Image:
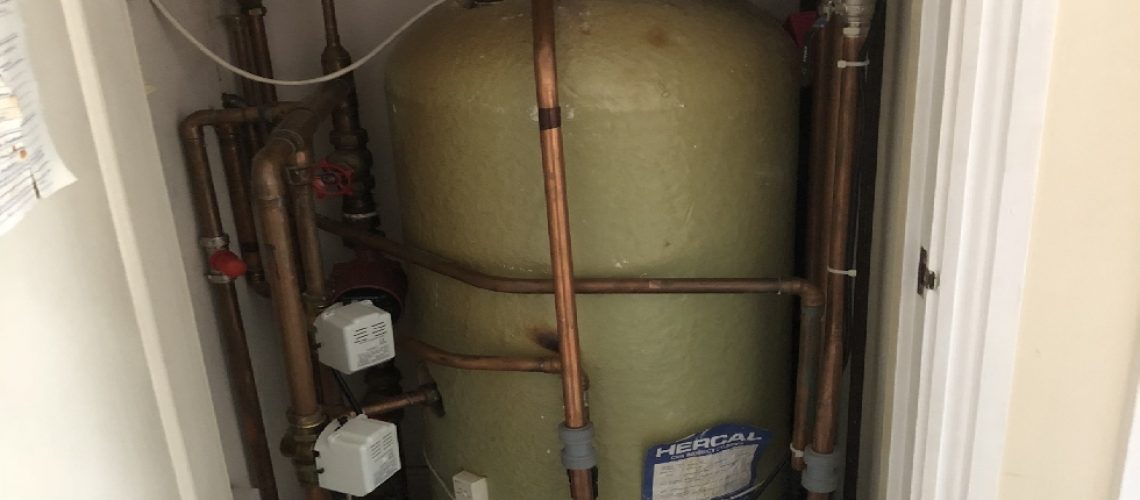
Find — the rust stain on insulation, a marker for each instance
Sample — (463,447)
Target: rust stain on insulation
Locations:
(546,337)
(657,37)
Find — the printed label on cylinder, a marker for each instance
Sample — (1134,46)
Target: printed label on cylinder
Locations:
(716,464)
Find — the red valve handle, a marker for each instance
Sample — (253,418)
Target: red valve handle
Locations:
(227,263)
(332,179)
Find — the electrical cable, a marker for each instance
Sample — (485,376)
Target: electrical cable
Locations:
(438,478)
(344,388)
(161,8)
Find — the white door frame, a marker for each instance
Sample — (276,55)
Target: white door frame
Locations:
(983,73)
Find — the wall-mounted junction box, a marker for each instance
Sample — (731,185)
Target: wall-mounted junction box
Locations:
(354,336)
(469,486)
(356,456)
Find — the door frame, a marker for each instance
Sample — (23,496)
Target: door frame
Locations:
(982,82)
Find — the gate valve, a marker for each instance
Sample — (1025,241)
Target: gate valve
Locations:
(332,179)
(227,263)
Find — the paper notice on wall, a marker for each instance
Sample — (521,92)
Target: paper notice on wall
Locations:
(30,169)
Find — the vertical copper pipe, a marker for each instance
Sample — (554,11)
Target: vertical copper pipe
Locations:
(290,137)
(558,221)
(281,269)
(348,137)
(831,374)
(823,63)
(300,172)
(233,163)
(817,214)
(231,329)
(243,53)
(259,45)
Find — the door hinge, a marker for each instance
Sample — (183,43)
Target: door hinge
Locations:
(927,279)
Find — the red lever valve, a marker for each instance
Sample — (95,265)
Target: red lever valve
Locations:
(227,263)
(332,179)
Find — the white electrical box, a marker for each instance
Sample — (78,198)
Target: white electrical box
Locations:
(357,456)
(469,486)
(354,336)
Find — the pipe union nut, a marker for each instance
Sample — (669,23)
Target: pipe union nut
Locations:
(578,451)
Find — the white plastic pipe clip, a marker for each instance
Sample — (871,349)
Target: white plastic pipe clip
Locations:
(851,273)
(796,452)
(841,64)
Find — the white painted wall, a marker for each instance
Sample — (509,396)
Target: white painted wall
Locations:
(180,81)
(94,300)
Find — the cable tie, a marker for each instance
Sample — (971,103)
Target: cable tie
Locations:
(841,64)
(796,452)
(849,273)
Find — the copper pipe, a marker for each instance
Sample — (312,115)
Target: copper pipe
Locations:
(822,60)
(809,294)
(191,131)
(348,137)
(288,138)
(304,209)
(259,46)
(817,220)
(243,54)
(230,327)
(435,355)
(423,396)
(831,374)
(558,228)
(238,184)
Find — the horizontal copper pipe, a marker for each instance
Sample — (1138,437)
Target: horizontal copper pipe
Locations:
(808,293)
(192,124)
(423,396)
(435,355)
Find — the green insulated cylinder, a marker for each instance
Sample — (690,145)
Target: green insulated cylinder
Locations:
(680,127)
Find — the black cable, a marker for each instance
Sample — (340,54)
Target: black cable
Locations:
(763,486)
(343,384)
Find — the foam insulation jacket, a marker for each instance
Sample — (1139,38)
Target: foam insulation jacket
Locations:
(680,126)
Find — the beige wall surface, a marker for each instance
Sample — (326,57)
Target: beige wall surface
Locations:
(1080,333)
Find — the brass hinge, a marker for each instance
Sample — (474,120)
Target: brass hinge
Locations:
(927,279)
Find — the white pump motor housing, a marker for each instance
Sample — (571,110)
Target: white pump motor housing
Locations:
(354,336)
(356,455)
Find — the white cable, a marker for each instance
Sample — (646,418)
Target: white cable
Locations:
(437,477)
(312,81)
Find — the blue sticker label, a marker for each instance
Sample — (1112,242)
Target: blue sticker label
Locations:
(716,464)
